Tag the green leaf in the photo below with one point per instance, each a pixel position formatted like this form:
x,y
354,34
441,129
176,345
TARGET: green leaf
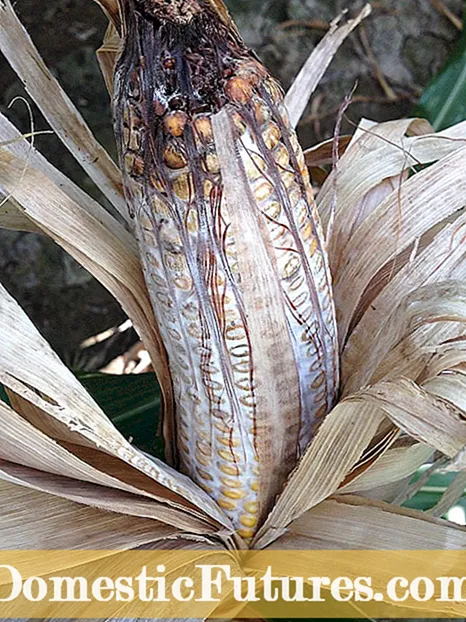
x,y
3,395
431,493
132,402
443,102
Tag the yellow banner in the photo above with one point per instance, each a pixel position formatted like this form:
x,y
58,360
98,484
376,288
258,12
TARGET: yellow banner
x,y
222,584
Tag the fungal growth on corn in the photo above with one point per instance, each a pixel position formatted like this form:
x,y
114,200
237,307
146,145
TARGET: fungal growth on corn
x,y
244,305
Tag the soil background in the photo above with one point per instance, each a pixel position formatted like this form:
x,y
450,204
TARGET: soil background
x,y
402,45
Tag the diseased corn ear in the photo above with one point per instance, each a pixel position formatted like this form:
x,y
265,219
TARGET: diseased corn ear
x,y
233,252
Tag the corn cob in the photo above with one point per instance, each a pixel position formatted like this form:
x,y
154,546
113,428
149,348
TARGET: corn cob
x,y
241,289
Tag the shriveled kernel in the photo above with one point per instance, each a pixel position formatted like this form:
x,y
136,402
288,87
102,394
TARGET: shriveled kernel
x,y
239,90
291,267
233,494
271,135
203,128
204,448
262,112
318,382
272,209
281,155
229,469
235,332
183,283
173,158
211,163
252,507
222,427
175,122
208,489
288,179
203,460
182,186
263,191
248,521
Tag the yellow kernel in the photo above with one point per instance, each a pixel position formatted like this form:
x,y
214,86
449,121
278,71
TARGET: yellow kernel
x,y
288,179
233,494
228,456
272,209
211,163
255,486
227,505
228,469
248,521
228,442
202,459
230,483
203,127
192,223
239,90
246,533
255,165
252,507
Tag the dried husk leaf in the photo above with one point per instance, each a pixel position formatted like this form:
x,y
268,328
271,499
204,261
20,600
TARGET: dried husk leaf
x,y
395,465
378,152
30,369
111,9
382,236
411,334
419,413
59,524
57,108
12,217
337,447
444,258
22,444
351,522
106,256
347,432
276,403
450,497
314,68
14,142
107,55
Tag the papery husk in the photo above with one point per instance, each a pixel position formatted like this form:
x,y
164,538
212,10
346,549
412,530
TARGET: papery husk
x,y
57,108
314,68
110,258
352,522
347,432
48,395
404,216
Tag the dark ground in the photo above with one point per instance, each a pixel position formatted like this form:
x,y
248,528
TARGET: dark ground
x,y
392,58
